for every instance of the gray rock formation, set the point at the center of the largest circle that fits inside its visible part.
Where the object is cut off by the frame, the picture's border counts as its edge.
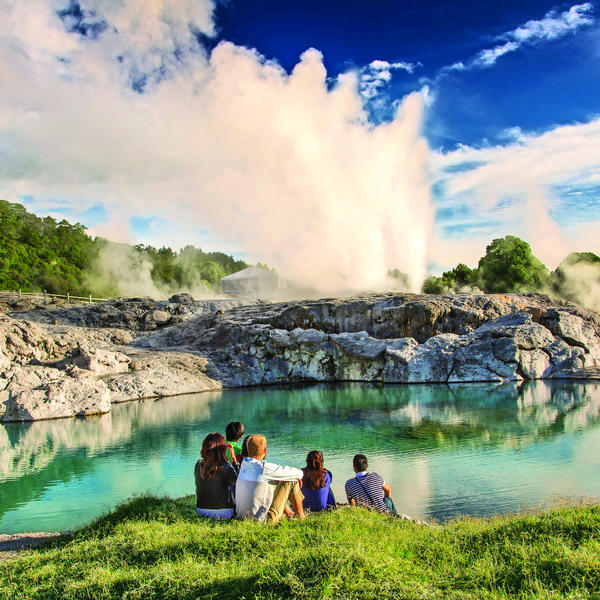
(133, 314)
(152, 374)
(402, 338)
(34, 393)
(53, 372)
(53, 368)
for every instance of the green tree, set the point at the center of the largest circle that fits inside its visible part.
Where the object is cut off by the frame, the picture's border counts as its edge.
(510, 266)
(559, 275)
(40, 253)
(434, 285)
(212, 272)
(462, 275)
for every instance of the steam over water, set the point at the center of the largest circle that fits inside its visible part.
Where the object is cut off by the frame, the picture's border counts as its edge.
(473, 449)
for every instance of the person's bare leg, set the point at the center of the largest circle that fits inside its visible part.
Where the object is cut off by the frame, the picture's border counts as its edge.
(287, 511)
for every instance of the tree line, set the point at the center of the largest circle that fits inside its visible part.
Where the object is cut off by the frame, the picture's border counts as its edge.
(57, 256)
(509, 265)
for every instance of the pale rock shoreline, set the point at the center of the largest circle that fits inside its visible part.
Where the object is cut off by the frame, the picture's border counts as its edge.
(77, 361)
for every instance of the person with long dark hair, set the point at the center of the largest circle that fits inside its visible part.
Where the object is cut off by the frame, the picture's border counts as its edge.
(316, 484)
(214, 477)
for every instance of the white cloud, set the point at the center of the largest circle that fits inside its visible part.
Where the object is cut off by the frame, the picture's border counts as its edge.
(551, 27)
(527, 172)
(375, 76)
(554, 26)
(384, 65)
(489, 57)
(281, 166)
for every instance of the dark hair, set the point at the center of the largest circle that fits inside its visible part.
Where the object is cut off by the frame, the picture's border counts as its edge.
(244, 451)
(314, 473)
(213, 455)
(234, 431)
(360, 462)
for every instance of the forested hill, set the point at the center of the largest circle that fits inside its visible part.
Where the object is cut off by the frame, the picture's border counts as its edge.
(43, 254)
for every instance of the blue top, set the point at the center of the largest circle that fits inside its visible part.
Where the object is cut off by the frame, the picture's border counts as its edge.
(316, 500)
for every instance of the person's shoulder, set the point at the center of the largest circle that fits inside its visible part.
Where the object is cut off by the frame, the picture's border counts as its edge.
(375, 476)
(248, 463)
(349, 481)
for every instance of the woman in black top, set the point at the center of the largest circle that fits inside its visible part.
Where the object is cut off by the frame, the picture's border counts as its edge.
(214, 477)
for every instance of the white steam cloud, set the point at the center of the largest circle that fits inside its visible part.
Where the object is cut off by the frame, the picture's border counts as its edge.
(283, 166)
(512, 189)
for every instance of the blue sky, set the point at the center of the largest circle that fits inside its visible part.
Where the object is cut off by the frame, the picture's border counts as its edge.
(551, 78)
(422, 129)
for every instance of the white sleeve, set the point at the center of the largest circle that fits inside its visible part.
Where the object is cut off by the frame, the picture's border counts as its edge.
(275, 472)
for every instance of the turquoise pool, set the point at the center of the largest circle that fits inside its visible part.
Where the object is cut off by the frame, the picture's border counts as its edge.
(446, 450)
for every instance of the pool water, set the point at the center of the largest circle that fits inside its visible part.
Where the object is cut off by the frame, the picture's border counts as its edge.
(445, 450)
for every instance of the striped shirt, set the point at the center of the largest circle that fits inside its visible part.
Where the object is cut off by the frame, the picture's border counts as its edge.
(365, 489)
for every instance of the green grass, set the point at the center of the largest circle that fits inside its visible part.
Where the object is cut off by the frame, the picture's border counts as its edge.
(158, 548)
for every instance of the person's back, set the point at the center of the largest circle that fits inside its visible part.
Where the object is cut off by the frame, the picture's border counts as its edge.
(215, 492)
(368, 489)
(256, 496)
(214, 477)
(316, 484)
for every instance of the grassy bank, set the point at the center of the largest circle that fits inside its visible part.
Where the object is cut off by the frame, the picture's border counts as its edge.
(157, 548)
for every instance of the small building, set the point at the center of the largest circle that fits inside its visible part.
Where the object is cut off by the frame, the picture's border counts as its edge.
(252, 281)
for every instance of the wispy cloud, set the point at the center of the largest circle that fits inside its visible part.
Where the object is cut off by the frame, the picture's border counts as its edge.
(378, 73)
(553, 26)
(521, 187)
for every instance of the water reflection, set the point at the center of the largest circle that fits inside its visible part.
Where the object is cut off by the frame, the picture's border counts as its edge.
(421, 438)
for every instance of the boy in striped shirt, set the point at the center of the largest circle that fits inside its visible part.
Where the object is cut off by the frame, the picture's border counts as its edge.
(368, 489)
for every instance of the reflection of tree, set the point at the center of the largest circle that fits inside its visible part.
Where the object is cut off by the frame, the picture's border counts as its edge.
(399, 418)
(406, 417)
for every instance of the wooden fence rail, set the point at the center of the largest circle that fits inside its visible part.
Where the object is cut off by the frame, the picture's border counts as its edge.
(46, 297)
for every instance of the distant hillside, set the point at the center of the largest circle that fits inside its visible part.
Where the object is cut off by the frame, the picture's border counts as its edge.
(43, 254)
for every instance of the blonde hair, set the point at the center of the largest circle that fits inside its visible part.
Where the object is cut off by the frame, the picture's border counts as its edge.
(256, 445)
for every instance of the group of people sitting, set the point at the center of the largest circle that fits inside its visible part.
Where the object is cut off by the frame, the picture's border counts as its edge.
(235, 480)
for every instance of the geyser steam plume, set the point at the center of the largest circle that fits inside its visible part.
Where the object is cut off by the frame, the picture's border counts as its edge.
(309, 186)
(283, 166)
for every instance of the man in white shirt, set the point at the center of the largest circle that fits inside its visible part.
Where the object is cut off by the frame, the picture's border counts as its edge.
(263, 489)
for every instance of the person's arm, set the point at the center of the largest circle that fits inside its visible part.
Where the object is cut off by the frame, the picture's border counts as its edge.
(387, 490)
(231, 453)
(275, 472)
(231, 475)
(351, 500)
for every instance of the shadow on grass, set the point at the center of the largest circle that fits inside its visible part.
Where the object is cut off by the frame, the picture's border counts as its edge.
(141, 508)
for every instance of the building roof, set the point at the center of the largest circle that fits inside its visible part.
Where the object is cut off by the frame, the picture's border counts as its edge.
(250, 273)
